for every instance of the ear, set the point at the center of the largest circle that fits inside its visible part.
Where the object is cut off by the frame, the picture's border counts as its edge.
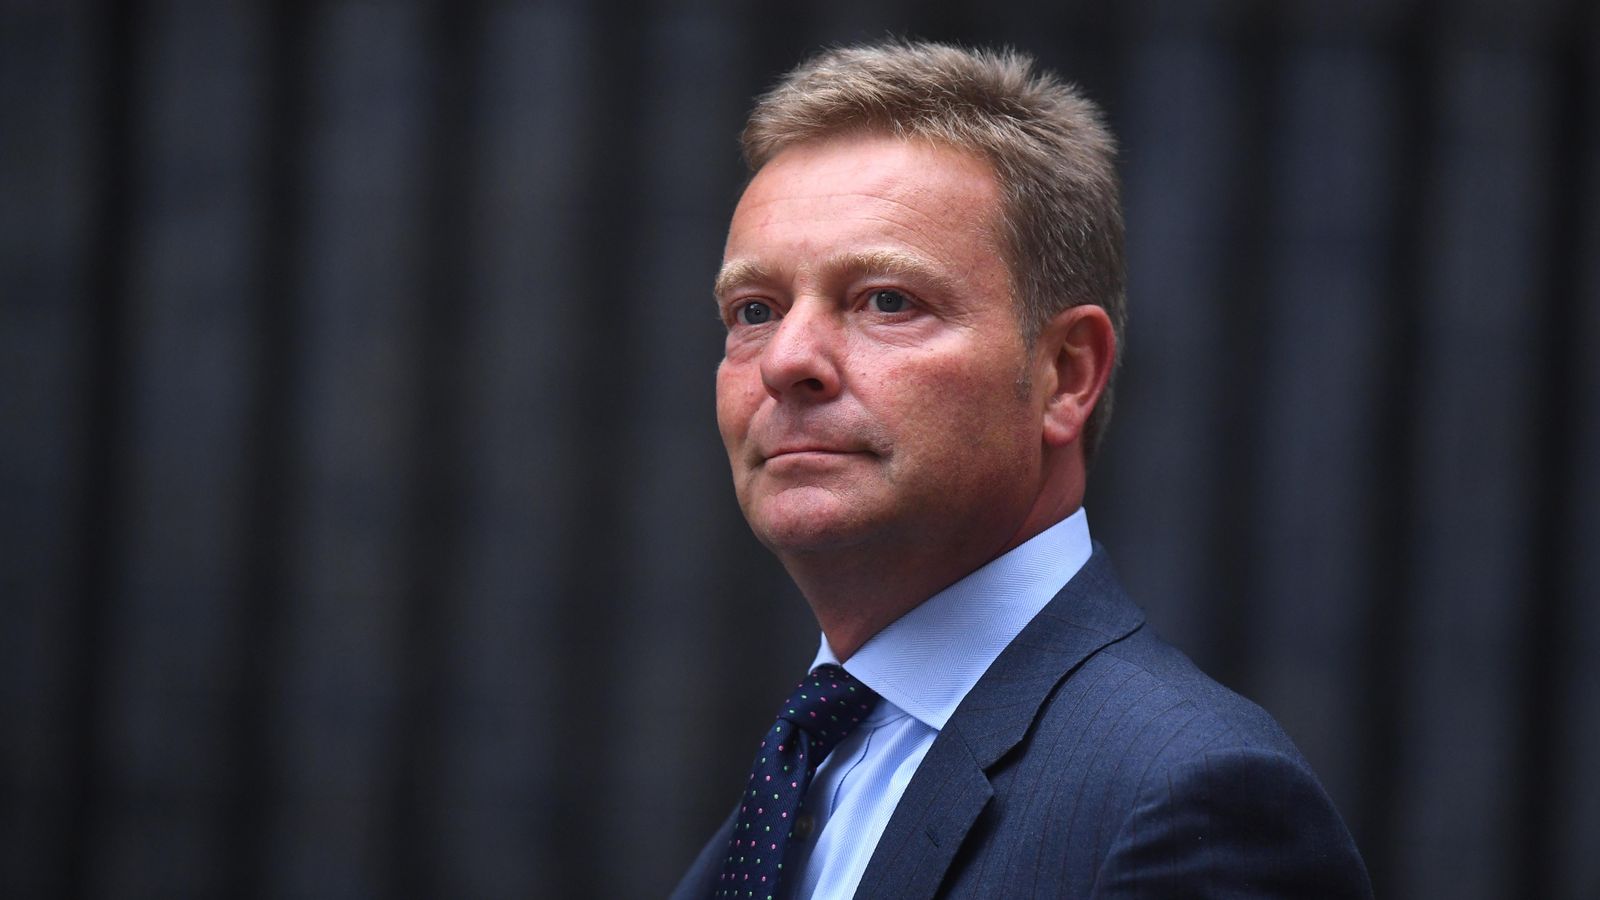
(1077, 349)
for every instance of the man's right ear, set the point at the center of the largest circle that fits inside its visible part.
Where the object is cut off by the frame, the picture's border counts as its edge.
(1080, 348)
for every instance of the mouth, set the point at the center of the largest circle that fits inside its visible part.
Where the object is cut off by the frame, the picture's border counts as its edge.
(802, 452)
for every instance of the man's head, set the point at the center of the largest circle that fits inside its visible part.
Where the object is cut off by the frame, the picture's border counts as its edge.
(1061, 213)
(884, 396)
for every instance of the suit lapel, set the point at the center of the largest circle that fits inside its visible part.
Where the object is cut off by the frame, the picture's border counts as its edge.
(951, 787)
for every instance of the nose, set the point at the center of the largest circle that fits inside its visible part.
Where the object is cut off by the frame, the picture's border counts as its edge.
(801, 359)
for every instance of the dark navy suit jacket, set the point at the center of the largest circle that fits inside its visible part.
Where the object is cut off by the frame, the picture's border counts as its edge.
(1095, 760)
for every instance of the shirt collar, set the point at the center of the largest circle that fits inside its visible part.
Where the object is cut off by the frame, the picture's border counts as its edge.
(926, 661)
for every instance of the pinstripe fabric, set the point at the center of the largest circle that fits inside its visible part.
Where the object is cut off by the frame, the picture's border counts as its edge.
(1094, 760)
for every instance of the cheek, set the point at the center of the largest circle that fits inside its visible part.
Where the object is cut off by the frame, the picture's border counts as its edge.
(970, 417)
(736, 403)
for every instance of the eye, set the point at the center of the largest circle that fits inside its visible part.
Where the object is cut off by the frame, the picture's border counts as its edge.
(888, 301)
(753, 312)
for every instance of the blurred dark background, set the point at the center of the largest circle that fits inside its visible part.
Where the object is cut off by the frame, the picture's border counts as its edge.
(365, 530)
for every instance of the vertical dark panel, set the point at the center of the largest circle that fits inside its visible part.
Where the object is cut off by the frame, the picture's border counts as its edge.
(1551, 627)
(259, 652)
(502, 759)
(1181, 102)
(1326, 331)
(48, 218)
(1472, 467)
(189, 348)
(335, 718)
(100, 457)
(587, 602)
(1386, 661)
(450, 100)
(1571, 800)
(1233, 463)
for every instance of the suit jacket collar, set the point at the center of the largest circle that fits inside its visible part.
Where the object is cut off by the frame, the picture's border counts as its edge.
(951, 787)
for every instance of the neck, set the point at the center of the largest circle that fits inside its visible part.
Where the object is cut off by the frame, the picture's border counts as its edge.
(856, 596)
(856, 592)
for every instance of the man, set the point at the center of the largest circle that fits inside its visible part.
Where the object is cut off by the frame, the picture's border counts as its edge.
(923, 290)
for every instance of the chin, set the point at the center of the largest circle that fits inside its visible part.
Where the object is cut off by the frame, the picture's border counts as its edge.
(801, 520)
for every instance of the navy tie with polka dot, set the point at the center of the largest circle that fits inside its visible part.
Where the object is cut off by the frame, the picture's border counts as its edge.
(824, 708)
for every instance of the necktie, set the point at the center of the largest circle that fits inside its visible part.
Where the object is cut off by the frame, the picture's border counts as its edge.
(825, 706)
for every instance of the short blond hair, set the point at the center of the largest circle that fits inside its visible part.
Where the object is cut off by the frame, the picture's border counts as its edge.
(1054, 159)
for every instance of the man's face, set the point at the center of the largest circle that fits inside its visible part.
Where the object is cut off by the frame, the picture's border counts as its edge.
(875, 385)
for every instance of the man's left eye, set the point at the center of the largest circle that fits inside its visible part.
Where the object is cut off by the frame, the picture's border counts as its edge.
(888, 301)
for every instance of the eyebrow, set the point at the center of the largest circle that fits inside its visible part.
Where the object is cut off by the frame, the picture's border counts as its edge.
(736, 273)
(894, 263)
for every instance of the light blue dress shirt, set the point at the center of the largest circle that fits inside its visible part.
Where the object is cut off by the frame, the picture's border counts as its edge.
(922, 664)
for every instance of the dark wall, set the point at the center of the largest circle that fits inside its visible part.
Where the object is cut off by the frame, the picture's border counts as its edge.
(365, 530)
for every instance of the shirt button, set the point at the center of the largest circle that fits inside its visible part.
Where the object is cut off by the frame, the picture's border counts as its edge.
(804, 824)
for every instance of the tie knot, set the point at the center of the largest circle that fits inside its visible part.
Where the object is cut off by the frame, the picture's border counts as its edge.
(828, 704)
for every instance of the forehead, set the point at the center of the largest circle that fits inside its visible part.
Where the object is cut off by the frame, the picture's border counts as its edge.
(866, 191)
(916, 172)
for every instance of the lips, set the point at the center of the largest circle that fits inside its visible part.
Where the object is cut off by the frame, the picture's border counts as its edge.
(808, 448)
(799, 450)
(799, 454)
